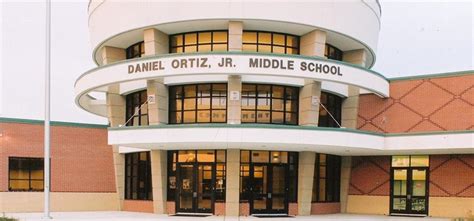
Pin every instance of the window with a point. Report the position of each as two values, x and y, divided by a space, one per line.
411 161
199 42
136 50
333 53
270 42
138 176
269 104
25 174
333 104
326 181
198 103
137 109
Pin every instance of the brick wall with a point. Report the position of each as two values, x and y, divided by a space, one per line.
81 160
420 105
452 175
325 208
370 175
143 206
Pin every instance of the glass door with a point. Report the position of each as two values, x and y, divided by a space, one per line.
409 191
186 188
195 188
270 189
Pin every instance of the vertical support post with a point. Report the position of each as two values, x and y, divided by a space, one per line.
305 182
47 147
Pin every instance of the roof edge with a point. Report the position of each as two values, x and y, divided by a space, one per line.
53 123
435 75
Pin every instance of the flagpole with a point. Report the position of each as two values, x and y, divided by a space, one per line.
47 137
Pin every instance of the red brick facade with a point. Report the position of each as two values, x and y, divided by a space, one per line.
143 206
421 105
452 175
325 208
370 176
81 160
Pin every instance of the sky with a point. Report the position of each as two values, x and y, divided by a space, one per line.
416 38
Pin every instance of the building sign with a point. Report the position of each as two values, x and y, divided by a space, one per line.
229 62
234 96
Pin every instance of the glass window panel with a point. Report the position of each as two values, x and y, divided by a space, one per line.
190 104
279 39
190 91
292 51
144 120
419 182
419 161
278 50
204 103
205 156
219 47
249 37
189 49
204 48
219 103
277 105
265 48
219 90
204 37
290 118
292 41
244 156
23 185
248 116
176 104
277 117
277 91
399 204
177 40
263 116
248 47
204 90
204 116
264 38
400 161
220 37
189 117
190 39
264 90
37 185
219 116
175 117
221 157
322 190
249 90
177 50
263 103
248 103
185 156
260 156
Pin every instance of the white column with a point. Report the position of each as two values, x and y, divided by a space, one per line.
305 182
157 107
155 42
158 179
232 189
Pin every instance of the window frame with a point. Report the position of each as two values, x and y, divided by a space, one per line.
147 190
197 44
196 98
129 50
271 98
333 167
29 159
272 44
335 107
338 52
130 100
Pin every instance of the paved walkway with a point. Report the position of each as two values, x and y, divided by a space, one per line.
120 216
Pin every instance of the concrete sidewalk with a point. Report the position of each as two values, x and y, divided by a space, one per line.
120 216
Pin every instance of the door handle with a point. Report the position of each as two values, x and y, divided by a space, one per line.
195 194
269 195
409 196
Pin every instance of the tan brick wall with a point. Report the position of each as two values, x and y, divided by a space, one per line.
171 207
325 208
244 209
81 160
143 206
420 105
293 209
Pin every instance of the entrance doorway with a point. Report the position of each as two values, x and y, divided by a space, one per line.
268 180
270 188
200 180
195 188
409 185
